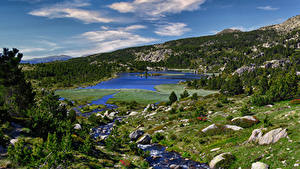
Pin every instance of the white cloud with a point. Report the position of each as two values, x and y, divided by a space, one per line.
267 8
71 10
156 8
30 49
107 40
172 29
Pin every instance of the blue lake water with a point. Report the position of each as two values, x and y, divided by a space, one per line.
133 81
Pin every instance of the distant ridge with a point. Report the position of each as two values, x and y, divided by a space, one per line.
47 59
287 26
229 31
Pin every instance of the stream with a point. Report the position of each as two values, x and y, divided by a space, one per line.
159 158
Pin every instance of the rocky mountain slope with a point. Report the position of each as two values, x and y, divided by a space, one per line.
287 26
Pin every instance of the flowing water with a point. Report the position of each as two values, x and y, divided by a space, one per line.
159 158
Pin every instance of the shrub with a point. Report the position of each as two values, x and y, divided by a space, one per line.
219 105
245 111
185 94
229 118
224 100
173 137
260 100
195 96
157 137
267 122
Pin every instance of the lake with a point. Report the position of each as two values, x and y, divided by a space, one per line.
134 81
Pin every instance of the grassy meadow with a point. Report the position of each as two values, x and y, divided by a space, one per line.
128 95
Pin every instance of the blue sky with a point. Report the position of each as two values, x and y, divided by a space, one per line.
42 28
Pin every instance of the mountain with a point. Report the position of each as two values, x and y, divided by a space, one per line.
232 52
47 59
287 26
229 31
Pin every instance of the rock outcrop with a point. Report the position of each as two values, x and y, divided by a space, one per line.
287 26
136 134
154 56
271 137
223 160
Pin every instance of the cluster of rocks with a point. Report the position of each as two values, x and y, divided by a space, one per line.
140 137
224 160
154 56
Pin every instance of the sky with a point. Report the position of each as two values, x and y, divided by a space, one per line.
41 28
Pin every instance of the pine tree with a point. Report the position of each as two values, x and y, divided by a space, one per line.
172 97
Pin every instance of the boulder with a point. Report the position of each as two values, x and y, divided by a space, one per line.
210 128
136 134
14 141
233 127
133 113
259 165
77 127
146 139
223 160
255 136
246 121
272 136
174 166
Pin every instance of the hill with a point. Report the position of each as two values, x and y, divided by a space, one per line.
227 52
47 59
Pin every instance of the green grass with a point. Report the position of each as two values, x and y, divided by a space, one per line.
179 89
189 139
128 95
85 95
140 96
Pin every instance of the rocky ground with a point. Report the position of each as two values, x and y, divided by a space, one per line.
216 131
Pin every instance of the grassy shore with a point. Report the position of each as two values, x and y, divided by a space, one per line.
128 95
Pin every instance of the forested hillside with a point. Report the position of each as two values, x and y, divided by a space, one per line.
225 52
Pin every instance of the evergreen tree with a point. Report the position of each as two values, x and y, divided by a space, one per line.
185 94
172 98
16 92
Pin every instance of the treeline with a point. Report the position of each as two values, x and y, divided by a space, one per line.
69 73
266 86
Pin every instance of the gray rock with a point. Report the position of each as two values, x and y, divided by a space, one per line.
233 127
215 127
223 160
259 165
255 136
77 127
174 166
272 136
246 121
133 113
14 141
146 139
136 134
209 128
